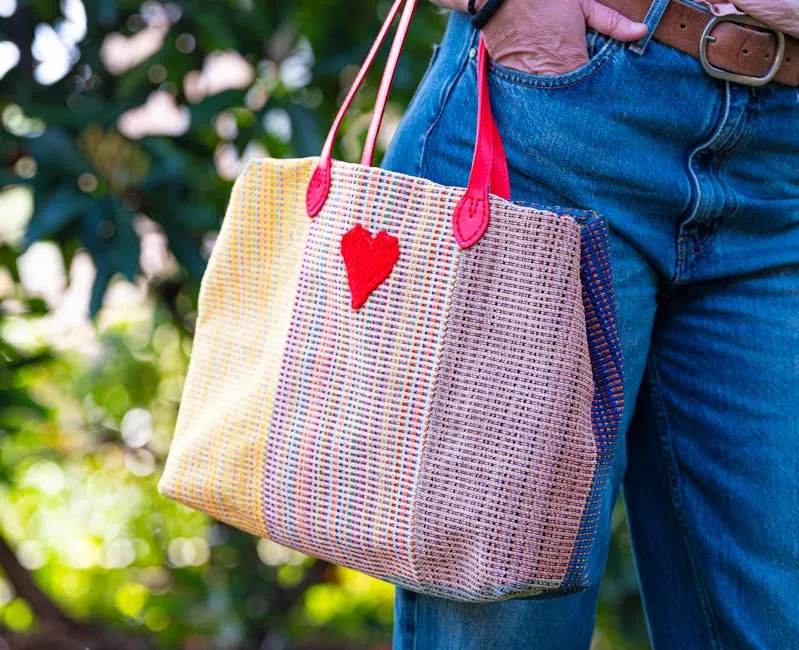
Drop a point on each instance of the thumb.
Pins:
(611, 23)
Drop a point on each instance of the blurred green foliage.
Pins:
(91, 556)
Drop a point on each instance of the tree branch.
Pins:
(25, 587)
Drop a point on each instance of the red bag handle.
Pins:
(386, 81)
(489, 166)
(320, 181)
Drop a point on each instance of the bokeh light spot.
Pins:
(140, 462)
(137, 427)
(185, 43)
(7, 7)
(87, 182)
(156, 619)
(131, 598)
(25, 167)
(273, 554)
(157, 73)
(31, 554)
(19, 616)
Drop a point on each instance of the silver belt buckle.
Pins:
(720, 73)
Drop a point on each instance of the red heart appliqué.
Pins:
(368, 260)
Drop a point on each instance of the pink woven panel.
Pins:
(508, 462)
(342, 446)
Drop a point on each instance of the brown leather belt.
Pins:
(733, 50)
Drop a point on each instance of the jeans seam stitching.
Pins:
(425, 77)
(652, 20)
(667, 456)
(684, 256)
(742, 138)
(444, 100)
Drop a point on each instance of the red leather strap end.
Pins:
(470, 219)
(318, 189)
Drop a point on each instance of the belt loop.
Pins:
(653, 16)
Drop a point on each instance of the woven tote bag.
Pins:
(423, 383)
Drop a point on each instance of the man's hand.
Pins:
(782, 15)
(546, 37)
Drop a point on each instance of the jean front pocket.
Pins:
(601, 49)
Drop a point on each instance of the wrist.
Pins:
(485, 11)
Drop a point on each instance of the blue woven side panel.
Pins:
(607, 362)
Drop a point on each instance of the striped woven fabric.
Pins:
(453, 434)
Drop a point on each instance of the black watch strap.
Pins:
(485, 13)
(471, 7)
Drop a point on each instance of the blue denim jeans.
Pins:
(699, 182)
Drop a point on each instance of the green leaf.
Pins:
(36, 307)
(187, 251)
(56, 148)
(8, 261)
(135, 83)
(60, 208)
(213, 31)
(305, 134)
(125, 245)
(29, 361)
(17, 398)
(107, 232)
(103, 11)
(203, 113)
(169, 166)
(197, 217)
(7, 178)
(101, 282)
